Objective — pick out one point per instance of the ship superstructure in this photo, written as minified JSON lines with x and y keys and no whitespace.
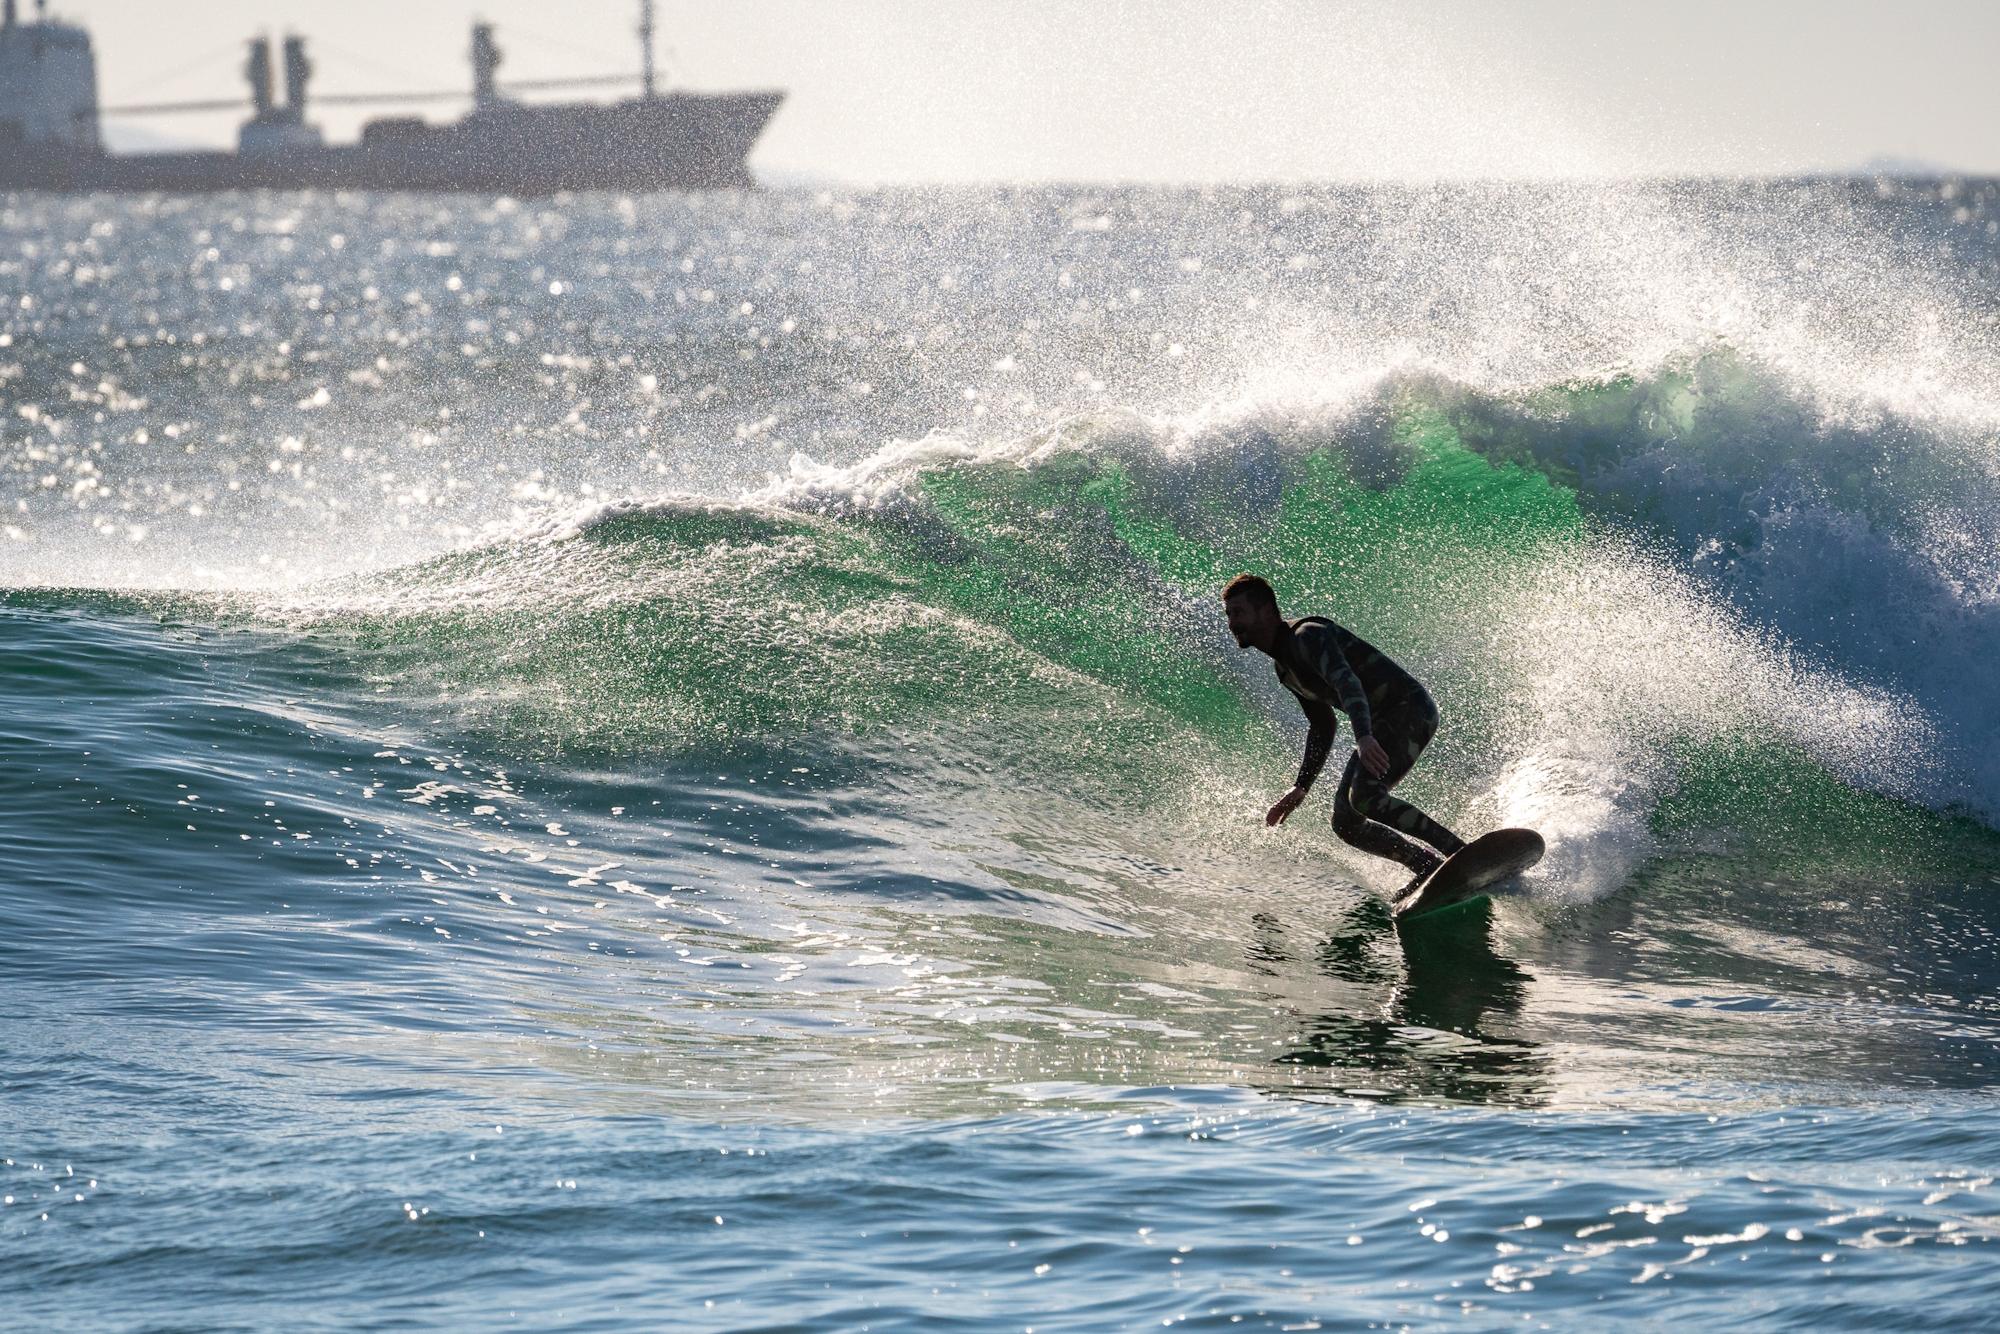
{"x":48,"y":84}
{"x":49,"y":135}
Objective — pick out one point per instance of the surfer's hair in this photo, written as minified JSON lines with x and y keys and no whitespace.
{"x":1252,"y":586}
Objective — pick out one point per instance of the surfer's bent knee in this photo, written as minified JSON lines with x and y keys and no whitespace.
{"x":1348,"y":815}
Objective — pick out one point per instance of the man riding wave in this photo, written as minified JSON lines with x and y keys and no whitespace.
{"x":1327,"y":666}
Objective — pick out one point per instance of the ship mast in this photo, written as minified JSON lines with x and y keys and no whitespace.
{"x":646,"y":44}
{"x":258,"y":71}
{"x":485,"y":63}
{"x":297,"y":70}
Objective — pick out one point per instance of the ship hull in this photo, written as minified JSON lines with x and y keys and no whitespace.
{"x":682,"y":141}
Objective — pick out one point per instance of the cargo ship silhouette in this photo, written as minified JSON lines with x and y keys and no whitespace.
{"x":50,"y":129}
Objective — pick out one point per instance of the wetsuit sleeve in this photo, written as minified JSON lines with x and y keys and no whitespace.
{"x":1319,"y":740}
{"x":1325,"y":655}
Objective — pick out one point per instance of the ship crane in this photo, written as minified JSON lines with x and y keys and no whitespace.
{"x":277,"y":127}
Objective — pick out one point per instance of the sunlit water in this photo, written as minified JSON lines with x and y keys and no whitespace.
{"x":673,"y":763}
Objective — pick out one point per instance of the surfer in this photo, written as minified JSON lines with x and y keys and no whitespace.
{"x":1327,"y":666}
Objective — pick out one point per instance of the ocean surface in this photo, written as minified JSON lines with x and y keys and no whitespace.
{"x":660,"y":762}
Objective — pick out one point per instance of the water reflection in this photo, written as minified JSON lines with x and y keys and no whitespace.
{"x":1267,"y":944}
{"x":1446,"y":1028}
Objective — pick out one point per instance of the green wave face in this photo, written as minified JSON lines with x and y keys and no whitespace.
{"x":1069,"y":605}
{"x":1054,"y":626}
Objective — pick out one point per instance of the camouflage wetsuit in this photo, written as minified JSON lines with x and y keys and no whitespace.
{"x":1327,"y":666}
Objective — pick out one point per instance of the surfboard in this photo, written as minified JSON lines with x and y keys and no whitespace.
{"x":1467,"y":873}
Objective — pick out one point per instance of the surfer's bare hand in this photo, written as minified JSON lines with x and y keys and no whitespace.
{"x":1373,"y":758}
{"x":1285,"y":806}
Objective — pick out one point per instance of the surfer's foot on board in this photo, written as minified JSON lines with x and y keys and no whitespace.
{"x":1424,"y":871}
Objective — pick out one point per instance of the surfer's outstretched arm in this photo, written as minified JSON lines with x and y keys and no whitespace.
{"x":1319,"y":743}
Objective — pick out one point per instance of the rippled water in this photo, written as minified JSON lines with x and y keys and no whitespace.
{"x":673,"y":762}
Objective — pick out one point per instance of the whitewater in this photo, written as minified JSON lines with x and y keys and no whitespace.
{"x":675,"y":761}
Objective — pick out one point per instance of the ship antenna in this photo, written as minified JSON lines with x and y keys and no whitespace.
{"x":646,"y":44}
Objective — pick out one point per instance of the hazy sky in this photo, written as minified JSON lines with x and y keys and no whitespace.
{"x":1173,"y":90}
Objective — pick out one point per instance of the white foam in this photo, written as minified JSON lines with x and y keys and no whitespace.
{"x":1613,"y":662}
